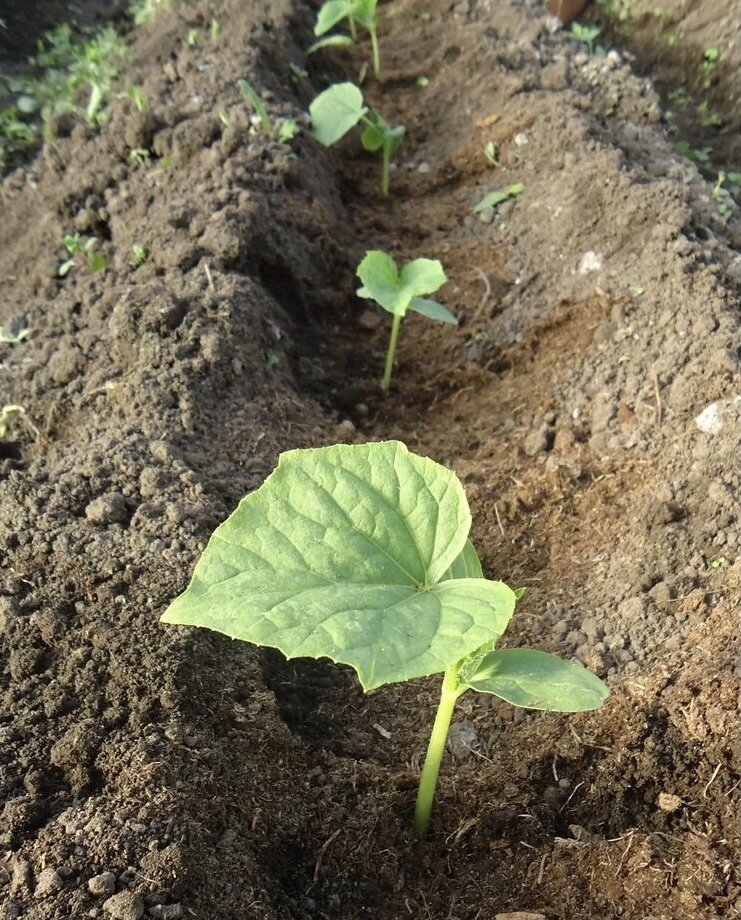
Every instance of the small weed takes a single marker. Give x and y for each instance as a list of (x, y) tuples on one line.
[(710, 58), (214, 31), (287, 130), (494, 198), (585, 34), (708, 118), (696, 154), (298, 74), (138, 97), (144, 11), (191, 38), (139, 255), (85, 247), (139, 157), (10, 338), (492, 154), (423, 82), (253, 97)]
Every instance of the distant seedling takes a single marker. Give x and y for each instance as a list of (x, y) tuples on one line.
[(356, 12), (586, 35), (339, 109), (10, 338), (398, 292), (85, 247), (360, 554), (139, 255)]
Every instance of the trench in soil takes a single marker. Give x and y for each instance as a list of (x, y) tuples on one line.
[(292, 802)]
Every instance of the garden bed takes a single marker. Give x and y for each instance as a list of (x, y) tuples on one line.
[(598, 318)]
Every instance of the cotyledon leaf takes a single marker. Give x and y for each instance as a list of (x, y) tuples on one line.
[(340, 554), (537, 680), (336, 111)]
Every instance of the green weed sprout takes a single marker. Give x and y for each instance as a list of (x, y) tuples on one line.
[(585, 34), (339, 109), (356, 12), (399, 291), (139, 255), (287, 128), (77, 245), (360, 554)]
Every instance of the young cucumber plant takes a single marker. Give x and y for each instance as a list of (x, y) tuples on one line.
[(361, 12), (399, 291), (338, 109), (360, 554)]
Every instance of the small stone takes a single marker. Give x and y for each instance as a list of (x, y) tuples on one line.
[(103, 885), (346, 427), (716, 416), (538, 441), (521, 139), (107, 509), (591, 261), (520, 915), (462, 739), (486, 216), (166, 912), (669, 802), (47, 883), (424, 168), (124, 906), (370, 320)]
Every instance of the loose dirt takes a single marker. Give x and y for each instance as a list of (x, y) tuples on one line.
[(599, 318)]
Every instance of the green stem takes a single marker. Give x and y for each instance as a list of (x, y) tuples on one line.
[(353, 30), (435, 751), (386, 169), (376, 55), (391, 352)]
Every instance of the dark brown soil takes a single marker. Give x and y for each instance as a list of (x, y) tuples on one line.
[(599, 317)]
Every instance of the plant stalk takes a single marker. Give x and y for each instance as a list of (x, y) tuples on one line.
[(353, 29), (390, 354), (376, 55), (435, 751), (386, 169)]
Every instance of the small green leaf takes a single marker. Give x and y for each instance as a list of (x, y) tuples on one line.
[(252, 95), (494, 198), (395, 291), (331, 41), (432, 310), (332, 12), (335, 112), (340, 554), (372, 138), (536, 680)]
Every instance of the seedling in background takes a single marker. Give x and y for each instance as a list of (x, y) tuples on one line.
[(77, 245), (138, 97), (139, 157), (339, 109), (494, 198), (398, 292), (7, 337), (357, 12), (360, 554), (585, 34), (7, 413)]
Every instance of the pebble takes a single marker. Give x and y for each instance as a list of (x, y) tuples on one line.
[(370, 320), (424, 168), (521, 139), (591, 261), (103, 885), (486, 216), (538, 441), (124, 906), (107, 509), (668, 802), (47, 883), (462, 739), (519, 915), (716, 416)]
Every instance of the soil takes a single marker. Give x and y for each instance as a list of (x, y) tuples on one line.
[(588, 400)]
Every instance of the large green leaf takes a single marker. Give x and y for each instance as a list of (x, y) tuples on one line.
[(536, 680), (341, 554), (394, 290), (335, 112)]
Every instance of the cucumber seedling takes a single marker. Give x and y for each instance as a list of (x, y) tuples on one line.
[(360, 554), (356, 12), (399, 291), (77, 245), (339, 109)]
